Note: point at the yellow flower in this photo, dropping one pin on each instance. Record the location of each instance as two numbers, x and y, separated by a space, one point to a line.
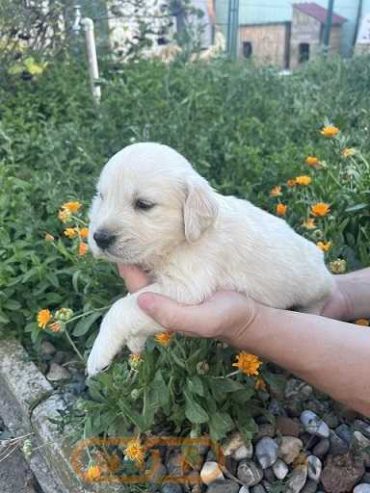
363 322
55 327
320 209
49 237
329 131
348 152
312 161
93 473
64 215
303 180
338 266
164 338
260 384
70 232
43 318
275 192
291 183
248 363
135 451
33 67
135 360
84 232
83 249
324 245
309 223
281 209
72 207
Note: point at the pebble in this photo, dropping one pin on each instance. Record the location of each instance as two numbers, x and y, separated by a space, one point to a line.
314 467
366 478
280 469
171 488
237 448
276 408
244 489
47 349
249 473
314 425
174 464
359 441
227 486
296 480
265 430
337 445
211 472
57 373
322 448
266 452
289 449
341 473
297 388
362 488
360 425
310 487
269 475
157 475
344 432
258 489
60 357
287 426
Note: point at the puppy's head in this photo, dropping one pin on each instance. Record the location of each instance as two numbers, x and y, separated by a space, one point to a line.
149 200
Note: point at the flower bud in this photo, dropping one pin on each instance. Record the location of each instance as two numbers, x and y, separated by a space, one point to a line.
64 314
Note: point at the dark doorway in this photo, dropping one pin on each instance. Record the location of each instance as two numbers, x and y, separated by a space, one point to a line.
304 52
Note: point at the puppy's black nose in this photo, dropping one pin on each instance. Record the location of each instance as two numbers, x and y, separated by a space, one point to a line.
103 238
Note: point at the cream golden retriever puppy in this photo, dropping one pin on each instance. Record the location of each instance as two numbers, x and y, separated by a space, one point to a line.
154 210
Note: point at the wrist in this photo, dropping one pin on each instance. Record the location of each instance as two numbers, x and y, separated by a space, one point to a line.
245 318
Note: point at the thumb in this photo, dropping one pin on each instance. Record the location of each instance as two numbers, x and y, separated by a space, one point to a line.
167 312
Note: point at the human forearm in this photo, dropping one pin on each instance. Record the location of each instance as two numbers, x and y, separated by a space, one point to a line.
356 289
333 356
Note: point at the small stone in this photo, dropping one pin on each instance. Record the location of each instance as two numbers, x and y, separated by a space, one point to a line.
174 464
362 488
60 357
157 474
287 426
258 489
332 420
266 452
249 473
297 480
359 441
244 489
269 475
344 432
268 486
314 425
366 478
57 373
280 469
297 388
47 349
360 425
314 467
276 408
237 448
322 448
211 472
265 430
337 445
310 487
289 449
341 473
171 488
227 486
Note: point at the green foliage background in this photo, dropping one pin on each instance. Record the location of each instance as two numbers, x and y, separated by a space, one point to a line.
245 129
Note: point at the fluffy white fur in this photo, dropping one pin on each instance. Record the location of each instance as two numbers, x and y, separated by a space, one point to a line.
194 241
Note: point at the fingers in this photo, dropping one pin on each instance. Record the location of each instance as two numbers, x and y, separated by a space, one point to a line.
134 277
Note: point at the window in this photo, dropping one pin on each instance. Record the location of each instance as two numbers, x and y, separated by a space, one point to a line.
304 52
247 49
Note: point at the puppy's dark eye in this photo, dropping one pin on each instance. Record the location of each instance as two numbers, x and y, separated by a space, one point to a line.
143 205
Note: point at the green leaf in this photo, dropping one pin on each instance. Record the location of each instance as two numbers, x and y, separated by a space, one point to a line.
357 207
12 305
219 425
84 325
195 386
194 411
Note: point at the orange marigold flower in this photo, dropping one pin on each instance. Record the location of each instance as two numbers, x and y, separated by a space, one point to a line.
281 209
43 318
329 131
312 161
324 245
303 180
164 338
291 183
49 237
83 249
309 223
55 327
320 209
84 232
135 451
363 322
70 232
275 192
64 215
260 384
348 152
93 473
248 363
72 207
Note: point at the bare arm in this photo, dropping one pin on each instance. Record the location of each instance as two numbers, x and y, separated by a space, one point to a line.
333 356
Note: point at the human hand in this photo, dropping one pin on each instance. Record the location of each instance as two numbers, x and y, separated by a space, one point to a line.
226 315
339 304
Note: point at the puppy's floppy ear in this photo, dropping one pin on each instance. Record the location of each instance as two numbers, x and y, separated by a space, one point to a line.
200 208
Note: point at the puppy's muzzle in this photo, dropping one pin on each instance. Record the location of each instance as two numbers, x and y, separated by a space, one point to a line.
103 238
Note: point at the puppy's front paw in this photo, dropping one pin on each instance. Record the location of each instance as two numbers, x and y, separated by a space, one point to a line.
98 360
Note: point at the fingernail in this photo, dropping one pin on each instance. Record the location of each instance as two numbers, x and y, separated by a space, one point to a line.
146 301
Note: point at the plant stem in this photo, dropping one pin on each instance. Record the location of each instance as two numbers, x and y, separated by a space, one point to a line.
69 338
